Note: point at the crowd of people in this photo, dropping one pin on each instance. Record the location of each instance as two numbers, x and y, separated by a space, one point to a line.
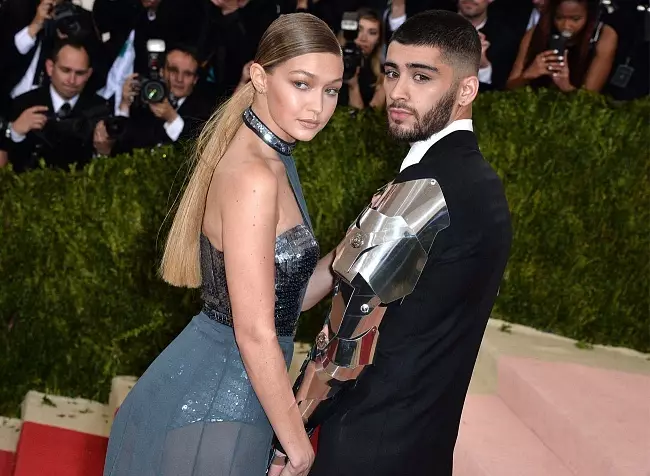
77 83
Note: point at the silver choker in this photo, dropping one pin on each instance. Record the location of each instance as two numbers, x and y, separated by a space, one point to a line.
257 126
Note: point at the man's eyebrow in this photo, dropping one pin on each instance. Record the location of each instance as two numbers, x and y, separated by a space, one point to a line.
428 67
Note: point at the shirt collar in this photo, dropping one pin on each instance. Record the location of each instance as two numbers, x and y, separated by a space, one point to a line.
482 24
418 149
58 101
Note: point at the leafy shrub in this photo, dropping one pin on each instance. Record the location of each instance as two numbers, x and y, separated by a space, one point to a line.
80 300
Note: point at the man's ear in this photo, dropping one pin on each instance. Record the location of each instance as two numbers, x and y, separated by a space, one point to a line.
467 91
258 78
49 67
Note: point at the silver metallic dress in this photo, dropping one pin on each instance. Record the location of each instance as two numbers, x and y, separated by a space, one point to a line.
194 411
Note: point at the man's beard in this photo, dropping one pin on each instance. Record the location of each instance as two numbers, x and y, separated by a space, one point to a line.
435 120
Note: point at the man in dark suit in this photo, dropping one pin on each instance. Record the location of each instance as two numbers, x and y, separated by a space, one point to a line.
499 44
45 121
401 415
28 36
179 116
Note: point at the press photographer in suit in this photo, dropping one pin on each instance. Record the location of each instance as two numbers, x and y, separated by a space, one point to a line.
58 122
28 33
178 116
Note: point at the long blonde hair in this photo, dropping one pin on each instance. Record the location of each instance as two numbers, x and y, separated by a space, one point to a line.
287 37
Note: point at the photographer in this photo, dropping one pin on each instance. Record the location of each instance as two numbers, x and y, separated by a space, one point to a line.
584 59
30 29
364 88
46 122
179 115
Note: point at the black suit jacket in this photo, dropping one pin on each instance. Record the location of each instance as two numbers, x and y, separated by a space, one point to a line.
17 15
402 416
144 130
502 52
57 144
176 22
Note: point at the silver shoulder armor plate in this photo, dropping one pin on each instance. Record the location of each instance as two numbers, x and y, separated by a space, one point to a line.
389 243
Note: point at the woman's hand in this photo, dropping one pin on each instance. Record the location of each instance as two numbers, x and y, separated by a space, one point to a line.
353 82
561 76
545 63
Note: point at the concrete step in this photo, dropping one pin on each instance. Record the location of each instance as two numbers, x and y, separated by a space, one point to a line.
9 435
62 436
120 388
492 441
596 421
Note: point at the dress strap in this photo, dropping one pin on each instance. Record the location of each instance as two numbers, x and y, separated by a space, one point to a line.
294 181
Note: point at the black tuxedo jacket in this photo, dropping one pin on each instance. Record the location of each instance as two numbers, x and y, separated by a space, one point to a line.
176 22
502 52
144 130
402 416
54 143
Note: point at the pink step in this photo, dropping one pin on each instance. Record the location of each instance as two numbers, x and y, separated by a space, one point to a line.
492 441
597 421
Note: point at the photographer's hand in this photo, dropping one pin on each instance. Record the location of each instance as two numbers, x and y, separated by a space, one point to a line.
31 119
101 140
129 90
43 13
164 110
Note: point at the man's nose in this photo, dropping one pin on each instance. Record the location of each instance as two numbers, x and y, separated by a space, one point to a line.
399 91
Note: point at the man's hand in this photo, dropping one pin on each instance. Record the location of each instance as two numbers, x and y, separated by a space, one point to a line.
485 44
31 119
164 110
129 89
101 140
398 8
43 13
229 6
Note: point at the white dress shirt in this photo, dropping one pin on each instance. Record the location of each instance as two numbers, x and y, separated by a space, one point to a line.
24 44
418 149
57 103
534 19
484 74
174 128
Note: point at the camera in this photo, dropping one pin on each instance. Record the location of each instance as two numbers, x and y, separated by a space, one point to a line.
153 87
66 17
352 55
82 127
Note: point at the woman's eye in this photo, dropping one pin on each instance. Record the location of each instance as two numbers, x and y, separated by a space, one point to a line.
332 92
300 85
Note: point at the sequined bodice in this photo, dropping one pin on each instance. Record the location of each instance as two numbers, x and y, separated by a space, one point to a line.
296 255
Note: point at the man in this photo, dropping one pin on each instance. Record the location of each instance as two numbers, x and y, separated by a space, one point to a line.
47 122
423 263
127 25
178 117
499 45
28 37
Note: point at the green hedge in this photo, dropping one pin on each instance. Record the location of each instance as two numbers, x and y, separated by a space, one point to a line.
80 300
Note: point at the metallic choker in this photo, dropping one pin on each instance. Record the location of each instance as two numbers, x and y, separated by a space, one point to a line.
253 122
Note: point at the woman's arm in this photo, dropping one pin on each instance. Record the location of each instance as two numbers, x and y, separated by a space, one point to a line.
601 64
249 218
321 282
516 78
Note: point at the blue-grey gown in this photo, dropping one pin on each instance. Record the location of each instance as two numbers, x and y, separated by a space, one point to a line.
194 412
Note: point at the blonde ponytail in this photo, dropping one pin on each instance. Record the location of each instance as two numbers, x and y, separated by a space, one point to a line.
181 260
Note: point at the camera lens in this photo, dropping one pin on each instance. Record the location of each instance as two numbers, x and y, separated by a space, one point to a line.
153 91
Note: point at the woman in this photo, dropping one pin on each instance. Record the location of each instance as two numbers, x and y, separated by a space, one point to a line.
587 59
208 405
365 88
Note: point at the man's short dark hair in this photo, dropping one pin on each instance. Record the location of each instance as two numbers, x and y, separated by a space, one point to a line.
183 48
453 35
72 43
